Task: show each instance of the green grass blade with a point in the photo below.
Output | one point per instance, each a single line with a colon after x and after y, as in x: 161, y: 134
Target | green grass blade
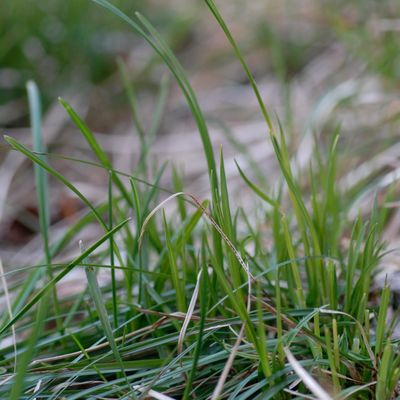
x: 130, y: 93
x: 26, y: 357
x: 42, y: 185
x: 112, y: 258
x: 33, y: 157
x: 227, y: 224
x: 256, y: 189
x: 97, y: 297
x: 381, y: 324
x: 159, y: 108
x: 213, y: 8
x: 179, y: 73
x: 203, y: 312
x: 40, y: 176
x: 177, y: 283
x: 384, y: 374
x: 98, y: 151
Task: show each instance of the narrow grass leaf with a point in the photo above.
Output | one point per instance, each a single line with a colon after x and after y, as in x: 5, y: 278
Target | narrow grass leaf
x: 256, y: 189
x: 177, y: 283
x: 381, y: 324
x: 33, y: 157
x: 199, y: 342
x: 99, y: 152
x: 40, y: 176
x: 112, y: 258
x: 42, y: 190
x: 97, y: 297
x: 25, y: 358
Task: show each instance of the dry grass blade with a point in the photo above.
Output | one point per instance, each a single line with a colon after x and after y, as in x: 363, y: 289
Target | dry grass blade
x: 299, y: 395
x: 228, y: 366
x: 307, y: 379
x: 159, y: 206
x: 10, y: 313
x: 189, y: 314
x: 153, y: 393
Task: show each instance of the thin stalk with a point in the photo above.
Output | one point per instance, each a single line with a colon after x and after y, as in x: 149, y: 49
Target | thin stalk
x: 112, y: 259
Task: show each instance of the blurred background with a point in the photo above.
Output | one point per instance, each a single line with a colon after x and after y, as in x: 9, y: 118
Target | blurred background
x: 319, y: 64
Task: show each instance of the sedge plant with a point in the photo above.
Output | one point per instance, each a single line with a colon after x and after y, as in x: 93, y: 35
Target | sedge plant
x: 190, y: 311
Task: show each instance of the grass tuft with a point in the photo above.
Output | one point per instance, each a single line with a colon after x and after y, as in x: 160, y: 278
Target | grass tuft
x: 204, y: 300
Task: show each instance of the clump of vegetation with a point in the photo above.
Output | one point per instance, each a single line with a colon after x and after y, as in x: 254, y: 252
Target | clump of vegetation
x: 208, y: 302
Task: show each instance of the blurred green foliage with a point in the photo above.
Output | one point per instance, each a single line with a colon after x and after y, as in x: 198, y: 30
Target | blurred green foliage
x: 371, y: 31
x: 53, y: 42
x: 67, y: 45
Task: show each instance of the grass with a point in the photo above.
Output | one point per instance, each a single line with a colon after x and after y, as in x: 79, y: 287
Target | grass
x: 191, y: 310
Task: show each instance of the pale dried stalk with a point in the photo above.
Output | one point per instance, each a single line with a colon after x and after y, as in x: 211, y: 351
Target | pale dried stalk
x: 308, y: 380
x: 9, y: 309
